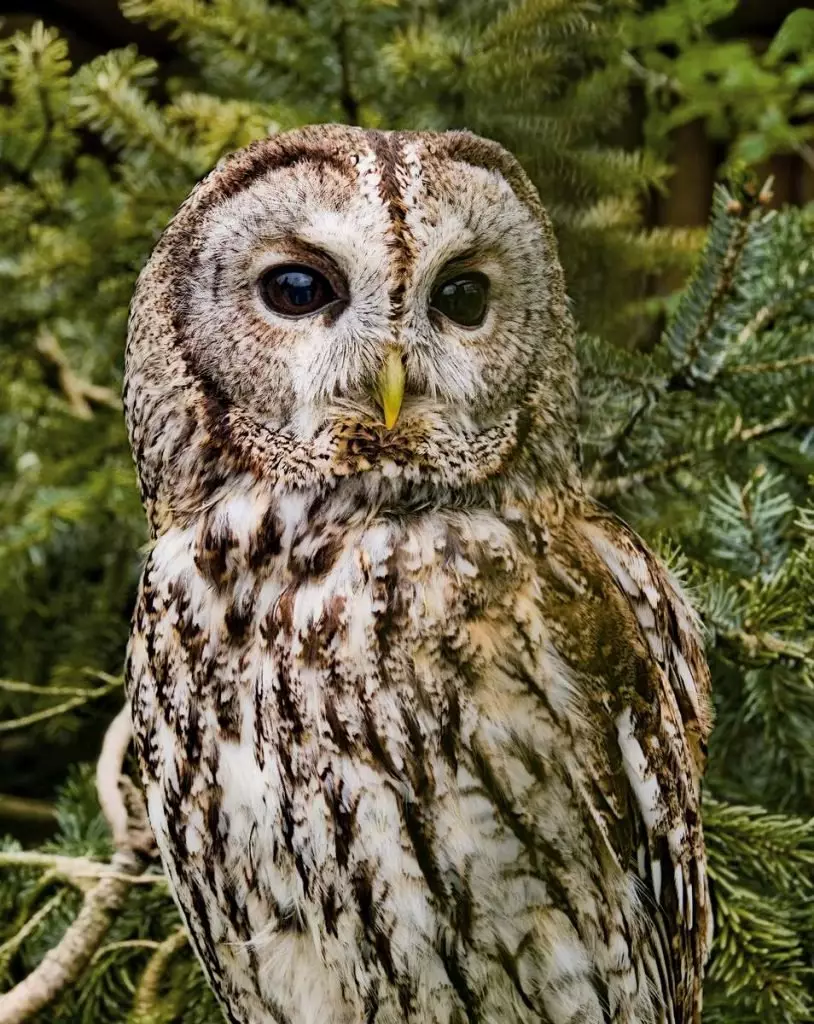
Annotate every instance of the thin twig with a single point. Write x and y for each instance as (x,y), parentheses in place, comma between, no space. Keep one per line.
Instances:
(755,325)
(10,947)
(146,1005)
(73,869)
(17,686)
(618,442)
(24,808)
(754,643)
(622,484)
(64,964)
(772,367)
(80,394)
(13,724)
(105,677)
(113,947)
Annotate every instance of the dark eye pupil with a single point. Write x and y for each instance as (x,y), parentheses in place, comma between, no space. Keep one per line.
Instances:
(294,290)
(463,299)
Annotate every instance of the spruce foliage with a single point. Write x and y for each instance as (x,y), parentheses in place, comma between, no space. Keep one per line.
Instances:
(705,443)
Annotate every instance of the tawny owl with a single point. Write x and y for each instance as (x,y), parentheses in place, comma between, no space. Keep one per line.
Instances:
(421,727)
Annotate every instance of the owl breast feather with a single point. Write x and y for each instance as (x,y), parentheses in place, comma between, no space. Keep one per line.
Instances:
(369,767)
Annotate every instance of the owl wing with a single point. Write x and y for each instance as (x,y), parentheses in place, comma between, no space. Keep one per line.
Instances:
(629,632)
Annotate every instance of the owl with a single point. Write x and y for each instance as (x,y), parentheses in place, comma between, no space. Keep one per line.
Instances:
(421,727)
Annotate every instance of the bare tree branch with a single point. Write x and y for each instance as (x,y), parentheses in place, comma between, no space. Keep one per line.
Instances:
(75,870)
(108,770)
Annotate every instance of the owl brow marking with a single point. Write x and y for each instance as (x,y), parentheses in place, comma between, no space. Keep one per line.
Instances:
(388,152)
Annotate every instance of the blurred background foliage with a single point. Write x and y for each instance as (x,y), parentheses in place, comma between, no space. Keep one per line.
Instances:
(698,397)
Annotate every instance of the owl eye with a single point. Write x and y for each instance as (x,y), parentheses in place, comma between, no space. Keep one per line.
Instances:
(463,299)
(295,290)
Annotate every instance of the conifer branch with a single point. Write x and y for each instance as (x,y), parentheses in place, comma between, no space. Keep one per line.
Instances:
(682,375)
(618,443)
(739,435)
(45,136)
(63,964)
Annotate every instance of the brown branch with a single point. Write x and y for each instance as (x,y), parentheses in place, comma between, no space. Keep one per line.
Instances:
(76,870)
(755,643)
(347,99)
(772,367)
(80,394)
(23,808)
(108,772)
(63,965)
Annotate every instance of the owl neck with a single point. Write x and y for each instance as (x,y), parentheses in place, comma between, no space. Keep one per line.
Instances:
(296,479)
(193,455)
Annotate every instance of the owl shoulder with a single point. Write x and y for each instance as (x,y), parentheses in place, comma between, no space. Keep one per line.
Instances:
(625,612)
(623,625)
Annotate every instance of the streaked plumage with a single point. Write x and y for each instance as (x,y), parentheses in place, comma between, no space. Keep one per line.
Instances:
(421,728)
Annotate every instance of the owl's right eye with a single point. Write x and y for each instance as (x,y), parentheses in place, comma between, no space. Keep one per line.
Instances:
(295,290)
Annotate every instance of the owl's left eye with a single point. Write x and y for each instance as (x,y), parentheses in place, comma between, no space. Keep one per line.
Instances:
(295,290)
(463,299)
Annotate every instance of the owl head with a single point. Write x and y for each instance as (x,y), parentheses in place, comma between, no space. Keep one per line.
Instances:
(334,303)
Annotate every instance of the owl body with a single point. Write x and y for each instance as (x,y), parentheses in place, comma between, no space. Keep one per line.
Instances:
(421,728)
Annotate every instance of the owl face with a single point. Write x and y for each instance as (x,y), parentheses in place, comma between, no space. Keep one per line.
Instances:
(306,280)
(400,286)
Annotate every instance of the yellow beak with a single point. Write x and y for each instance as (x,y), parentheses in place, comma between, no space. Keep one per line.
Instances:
(391,387)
